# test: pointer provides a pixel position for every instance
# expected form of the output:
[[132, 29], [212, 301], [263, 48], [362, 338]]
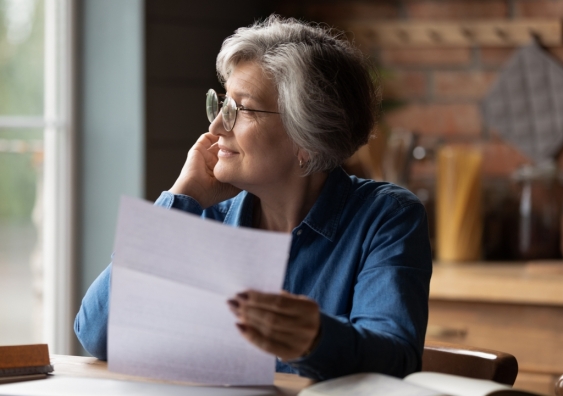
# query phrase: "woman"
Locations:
[[299, 102]]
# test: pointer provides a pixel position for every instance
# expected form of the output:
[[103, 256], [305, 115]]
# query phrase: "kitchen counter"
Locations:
[[511, 307]]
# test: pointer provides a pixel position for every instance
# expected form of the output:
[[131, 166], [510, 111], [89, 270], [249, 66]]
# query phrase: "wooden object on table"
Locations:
[[78, 366], [467, 361], [24, 362], [513, 307]]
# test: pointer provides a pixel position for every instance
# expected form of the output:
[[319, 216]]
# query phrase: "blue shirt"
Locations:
[[362, 253]]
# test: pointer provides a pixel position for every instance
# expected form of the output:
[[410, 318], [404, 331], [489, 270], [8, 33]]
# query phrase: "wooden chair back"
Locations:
[[559, 386], [469, 362]]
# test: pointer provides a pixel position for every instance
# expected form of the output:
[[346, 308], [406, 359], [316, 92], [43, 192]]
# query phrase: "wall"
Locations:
[[111, 130]]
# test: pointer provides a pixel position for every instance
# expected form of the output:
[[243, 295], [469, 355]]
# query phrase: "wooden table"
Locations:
[[285, 384], [510, 307]]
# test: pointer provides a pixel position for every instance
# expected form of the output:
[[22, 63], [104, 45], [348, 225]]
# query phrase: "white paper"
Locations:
[[172, 275], [61, 385]]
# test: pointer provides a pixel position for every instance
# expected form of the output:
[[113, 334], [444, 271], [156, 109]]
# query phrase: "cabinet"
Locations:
[[514, 308]]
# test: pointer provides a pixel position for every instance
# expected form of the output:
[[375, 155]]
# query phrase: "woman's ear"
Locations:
[[303, 156]]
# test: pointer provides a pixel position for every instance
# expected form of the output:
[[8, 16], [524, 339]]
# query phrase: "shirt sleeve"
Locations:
[[385, 329], [91, 322]]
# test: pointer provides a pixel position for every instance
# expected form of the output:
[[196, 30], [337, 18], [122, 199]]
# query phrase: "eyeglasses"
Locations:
[[229, 109]]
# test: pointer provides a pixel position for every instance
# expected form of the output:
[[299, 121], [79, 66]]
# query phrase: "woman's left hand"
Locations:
[[286, 325]]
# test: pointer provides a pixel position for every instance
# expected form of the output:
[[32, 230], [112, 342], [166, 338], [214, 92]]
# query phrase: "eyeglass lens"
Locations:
[[229, 113], [211, 105], [228, 109]]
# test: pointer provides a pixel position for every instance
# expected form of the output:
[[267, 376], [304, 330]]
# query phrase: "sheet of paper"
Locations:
[[172, 275], [61, 385]]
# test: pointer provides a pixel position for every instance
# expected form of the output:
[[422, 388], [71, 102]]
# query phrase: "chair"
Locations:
[[469, 362], [559, 386]]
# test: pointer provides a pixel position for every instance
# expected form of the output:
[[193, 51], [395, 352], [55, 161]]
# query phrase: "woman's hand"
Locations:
[[286, 325], [197, 179]]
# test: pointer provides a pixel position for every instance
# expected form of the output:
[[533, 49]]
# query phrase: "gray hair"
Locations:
[[327, 98]]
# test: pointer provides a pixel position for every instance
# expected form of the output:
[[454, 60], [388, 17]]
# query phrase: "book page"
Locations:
[[172, 275], [367, 384], [455, 385]]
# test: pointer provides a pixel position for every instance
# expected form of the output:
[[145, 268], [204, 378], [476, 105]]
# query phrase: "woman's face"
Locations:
[[257, 151]]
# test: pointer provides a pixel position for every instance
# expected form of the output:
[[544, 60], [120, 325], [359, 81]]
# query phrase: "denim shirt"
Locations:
[[362, 253]]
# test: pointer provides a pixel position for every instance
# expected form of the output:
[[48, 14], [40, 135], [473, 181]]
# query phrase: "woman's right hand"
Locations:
[[197, 179]]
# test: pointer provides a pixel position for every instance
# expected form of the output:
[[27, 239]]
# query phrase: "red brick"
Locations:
[[425, 56], [451, 120], [462, 85], [404, 85], [501, 158], [496, 56], [557, 53], [457, 10], [339, 13], [539, 8]]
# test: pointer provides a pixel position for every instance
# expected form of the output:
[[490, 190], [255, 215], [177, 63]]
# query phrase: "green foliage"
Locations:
[[17, 186], [21, 94], [21, 62]]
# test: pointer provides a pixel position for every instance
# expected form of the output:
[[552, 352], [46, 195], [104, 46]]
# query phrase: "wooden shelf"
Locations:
[[498, 33]]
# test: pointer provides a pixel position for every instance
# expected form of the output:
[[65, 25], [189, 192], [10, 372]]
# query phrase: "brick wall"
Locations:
[[441, 88]]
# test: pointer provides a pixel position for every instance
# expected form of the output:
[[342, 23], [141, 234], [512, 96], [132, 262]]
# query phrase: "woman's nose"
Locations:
[[216, 127]]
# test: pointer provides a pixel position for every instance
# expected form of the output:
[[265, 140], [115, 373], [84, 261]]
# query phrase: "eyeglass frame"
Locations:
[[220, 105]]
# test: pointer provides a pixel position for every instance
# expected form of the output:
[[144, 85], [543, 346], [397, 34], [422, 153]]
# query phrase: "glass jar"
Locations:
[[459, 221], [538, 231]]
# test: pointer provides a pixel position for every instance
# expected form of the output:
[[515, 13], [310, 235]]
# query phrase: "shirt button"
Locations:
[[299, 232]]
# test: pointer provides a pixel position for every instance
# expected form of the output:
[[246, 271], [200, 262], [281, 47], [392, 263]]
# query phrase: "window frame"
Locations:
[[59, 178]]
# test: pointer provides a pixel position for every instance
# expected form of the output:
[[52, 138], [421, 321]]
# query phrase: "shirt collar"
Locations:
[[323, 217], [240, 211], [325, 214]]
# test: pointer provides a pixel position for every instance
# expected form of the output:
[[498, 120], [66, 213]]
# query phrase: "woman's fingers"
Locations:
[[197, 178], [284, 322], [284, 350], [288, 304], [207, 147], [269, 322]]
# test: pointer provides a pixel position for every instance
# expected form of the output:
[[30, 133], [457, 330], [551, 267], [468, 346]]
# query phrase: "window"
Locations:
[[36, 181]]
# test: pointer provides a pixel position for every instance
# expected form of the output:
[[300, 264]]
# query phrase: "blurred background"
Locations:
[[100, 98]]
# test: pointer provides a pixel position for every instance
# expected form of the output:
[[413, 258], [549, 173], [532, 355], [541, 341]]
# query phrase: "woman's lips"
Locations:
[[225, 152]]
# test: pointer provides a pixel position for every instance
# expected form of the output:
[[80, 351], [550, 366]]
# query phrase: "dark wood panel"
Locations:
[[162, 168], [207, 12], [181, 52], [175, 113]]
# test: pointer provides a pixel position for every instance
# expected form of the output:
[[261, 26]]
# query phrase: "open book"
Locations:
[[417, 384]]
